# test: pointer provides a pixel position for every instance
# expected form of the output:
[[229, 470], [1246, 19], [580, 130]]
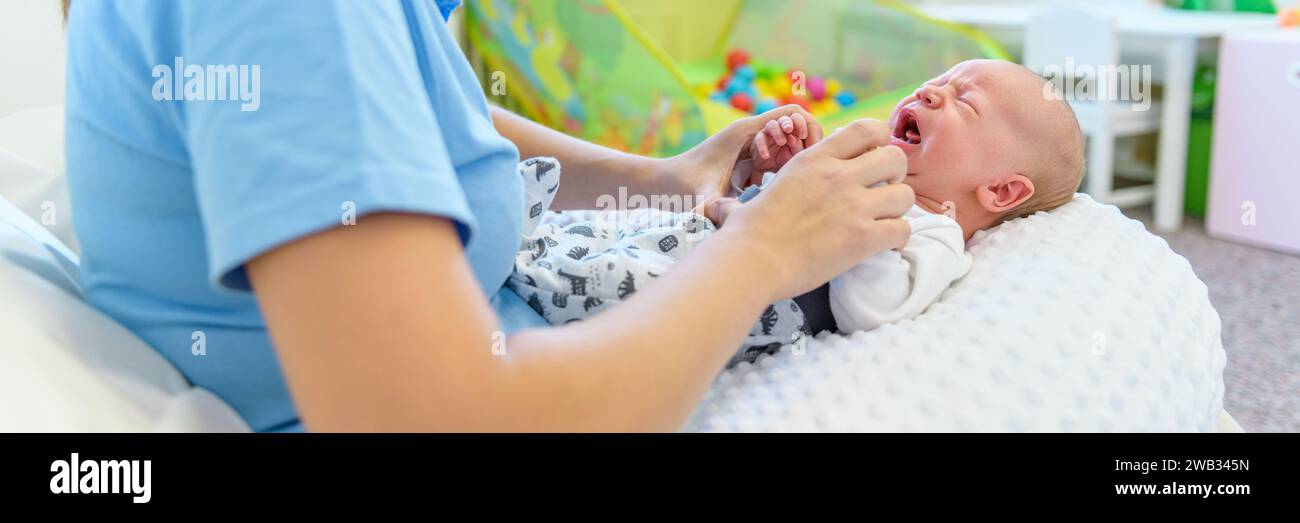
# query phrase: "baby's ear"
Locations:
[[1005, 193]]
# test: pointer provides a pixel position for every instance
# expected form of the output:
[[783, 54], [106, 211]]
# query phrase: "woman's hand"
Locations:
[[818, 218], [706, 170]]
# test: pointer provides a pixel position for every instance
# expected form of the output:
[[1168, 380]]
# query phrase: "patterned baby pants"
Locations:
[[573, 264]]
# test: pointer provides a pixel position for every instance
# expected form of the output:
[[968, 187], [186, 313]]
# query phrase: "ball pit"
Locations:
[[753, 86]]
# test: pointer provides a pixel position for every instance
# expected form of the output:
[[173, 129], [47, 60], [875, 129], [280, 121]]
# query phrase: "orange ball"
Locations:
[[799, 101], [1289, 17]]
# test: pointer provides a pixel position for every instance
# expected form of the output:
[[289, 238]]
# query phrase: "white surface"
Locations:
[[31, 169], [1145, 20], [32, 49], [1077, 320], [1176, 34], [66, 367], [1087, 37]]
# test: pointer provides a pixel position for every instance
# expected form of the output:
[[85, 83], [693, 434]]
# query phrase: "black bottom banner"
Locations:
[[139, 472]]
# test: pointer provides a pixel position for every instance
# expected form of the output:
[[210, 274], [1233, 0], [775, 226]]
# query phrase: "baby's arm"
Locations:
[[899, 284]]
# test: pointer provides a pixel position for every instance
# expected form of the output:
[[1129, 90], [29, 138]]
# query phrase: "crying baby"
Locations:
[[985, 143]]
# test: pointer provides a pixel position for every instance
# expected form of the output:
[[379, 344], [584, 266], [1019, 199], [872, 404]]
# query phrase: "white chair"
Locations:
[[1057, 38]]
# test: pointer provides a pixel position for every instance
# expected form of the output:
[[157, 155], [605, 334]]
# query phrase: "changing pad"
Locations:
[[1073, 320]]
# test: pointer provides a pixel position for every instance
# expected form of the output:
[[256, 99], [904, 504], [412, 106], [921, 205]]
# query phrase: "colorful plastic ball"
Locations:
[[723, 81], [720, 97], [799, 101], [833, 86], [781, 87], [736, 58], [845, 98], [816, 88], [1289, 17], [737, 85], [767, 71], [742, 102], [746, 72], [764, 105]]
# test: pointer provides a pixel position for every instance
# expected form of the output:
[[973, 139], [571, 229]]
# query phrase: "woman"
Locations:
[[347, 241]]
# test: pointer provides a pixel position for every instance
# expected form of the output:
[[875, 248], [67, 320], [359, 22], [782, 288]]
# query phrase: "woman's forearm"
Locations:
[[590, 170], [405, 340], [644, 364]]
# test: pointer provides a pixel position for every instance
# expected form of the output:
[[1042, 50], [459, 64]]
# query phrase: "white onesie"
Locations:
[[900, 284]]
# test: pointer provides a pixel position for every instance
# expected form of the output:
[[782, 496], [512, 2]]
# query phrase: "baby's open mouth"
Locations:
[[907, 129]]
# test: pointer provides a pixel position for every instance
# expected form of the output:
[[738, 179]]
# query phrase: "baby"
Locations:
[[984, 143]]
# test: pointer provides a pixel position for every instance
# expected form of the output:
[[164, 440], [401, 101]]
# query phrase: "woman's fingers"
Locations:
[[814, 133], [773, 131], [717, 209], [882, 164], [800, 126], [889, 201], [887, 234], [761, 147], [787, 124], [856, 138], [795, 144]]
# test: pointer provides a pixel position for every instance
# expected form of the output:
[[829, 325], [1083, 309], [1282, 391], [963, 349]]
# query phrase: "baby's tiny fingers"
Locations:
[[760, 145], [773, 130], [795, 144], [800, 126], [787, 124]]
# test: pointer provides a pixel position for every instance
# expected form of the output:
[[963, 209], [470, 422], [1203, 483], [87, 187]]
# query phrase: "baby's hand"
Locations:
[[780, 140]]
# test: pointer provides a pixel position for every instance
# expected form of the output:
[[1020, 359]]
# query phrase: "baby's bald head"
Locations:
[[1055, 158]]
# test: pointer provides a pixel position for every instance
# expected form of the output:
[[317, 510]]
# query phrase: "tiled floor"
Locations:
[[1257, 294]]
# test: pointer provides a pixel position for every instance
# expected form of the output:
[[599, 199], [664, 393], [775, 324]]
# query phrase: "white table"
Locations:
[[1175, 35]]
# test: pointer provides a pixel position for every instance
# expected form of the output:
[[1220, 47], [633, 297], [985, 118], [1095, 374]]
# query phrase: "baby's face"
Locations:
[[959, 129]]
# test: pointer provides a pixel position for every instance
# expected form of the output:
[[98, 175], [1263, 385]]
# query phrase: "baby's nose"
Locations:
[[930, 96]]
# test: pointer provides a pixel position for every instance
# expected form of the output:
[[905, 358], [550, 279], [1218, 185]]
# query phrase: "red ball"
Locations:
[[723, 81], [742, 102], [799, 101], [736, 58]]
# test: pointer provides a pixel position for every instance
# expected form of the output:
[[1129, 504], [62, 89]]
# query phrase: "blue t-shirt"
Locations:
[[202, 134]]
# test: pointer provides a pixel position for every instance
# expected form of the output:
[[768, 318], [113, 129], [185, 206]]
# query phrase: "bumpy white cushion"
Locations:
[[1074, 320]]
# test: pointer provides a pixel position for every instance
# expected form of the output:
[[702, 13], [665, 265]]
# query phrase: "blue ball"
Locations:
[[720, 97], [737, 85], [764, 105], [746, 72], [845, 98]]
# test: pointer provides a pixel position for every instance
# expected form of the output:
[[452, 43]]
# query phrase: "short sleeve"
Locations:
[[333, 121]]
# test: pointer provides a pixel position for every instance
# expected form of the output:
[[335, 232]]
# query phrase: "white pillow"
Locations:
[[1077, 320], [64, 366]]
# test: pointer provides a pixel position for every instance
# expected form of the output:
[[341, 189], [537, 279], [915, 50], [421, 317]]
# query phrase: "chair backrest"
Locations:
[[1063, 39]]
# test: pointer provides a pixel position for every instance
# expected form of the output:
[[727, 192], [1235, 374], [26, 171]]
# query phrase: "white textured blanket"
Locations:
[[1074, 320]]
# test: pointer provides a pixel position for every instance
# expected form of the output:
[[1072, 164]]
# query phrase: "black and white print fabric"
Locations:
[[573, 264]]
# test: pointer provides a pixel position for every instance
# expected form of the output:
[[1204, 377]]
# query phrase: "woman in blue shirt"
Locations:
[[340, 231]]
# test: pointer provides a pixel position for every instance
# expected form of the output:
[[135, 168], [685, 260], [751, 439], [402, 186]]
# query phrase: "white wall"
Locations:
[[32, 53]]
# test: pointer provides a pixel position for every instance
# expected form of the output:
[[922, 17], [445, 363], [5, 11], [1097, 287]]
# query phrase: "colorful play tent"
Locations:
[[652, 76]]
